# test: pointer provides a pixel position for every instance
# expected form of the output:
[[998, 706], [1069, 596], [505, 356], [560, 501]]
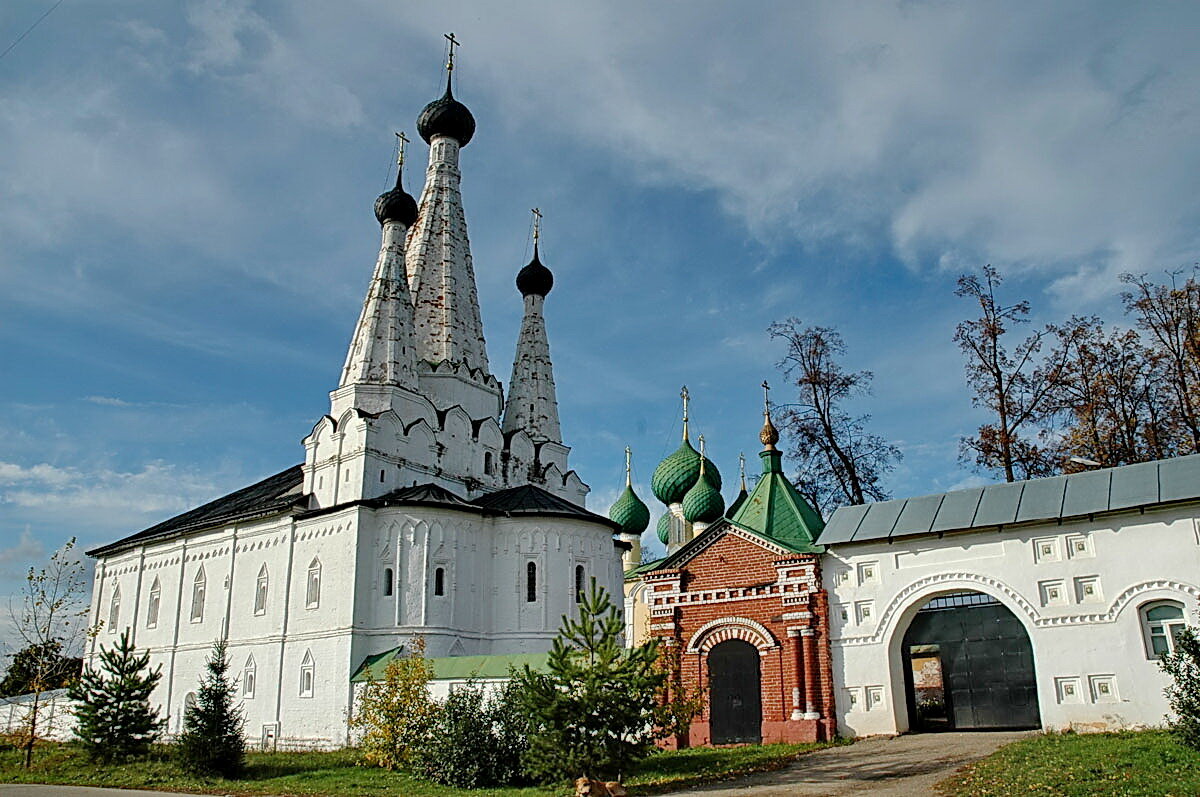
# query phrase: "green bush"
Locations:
[[476, 740], [1183, 694]]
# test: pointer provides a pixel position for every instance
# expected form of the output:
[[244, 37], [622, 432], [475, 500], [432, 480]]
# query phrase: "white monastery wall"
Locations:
[[1077, 588]]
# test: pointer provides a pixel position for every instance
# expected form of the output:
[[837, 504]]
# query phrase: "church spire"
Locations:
[[441, 276], [381, 351], [532, 404]]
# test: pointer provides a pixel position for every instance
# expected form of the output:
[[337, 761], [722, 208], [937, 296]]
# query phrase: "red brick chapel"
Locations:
[[743, 602]]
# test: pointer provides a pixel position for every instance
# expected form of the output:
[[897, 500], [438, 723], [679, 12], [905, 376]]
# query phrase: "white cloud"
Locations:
[[27, 548]]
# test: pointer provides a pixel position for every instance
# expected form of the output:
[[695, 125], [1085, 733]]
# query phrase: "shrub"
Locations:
[[1183, 694], [395, 713], [213, 740], [510, 733], [477, 739]]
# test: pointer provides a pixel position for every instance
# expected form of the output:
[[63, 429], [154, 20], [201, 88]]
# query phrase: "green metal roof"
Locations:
[[703, 503], [630, 512], [776, 511], [676, 474], [454, 667], [1056, 498], [644, 567]]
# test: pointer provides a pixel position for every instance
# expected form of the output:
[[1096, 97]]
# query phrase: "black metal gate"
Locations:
[[735, 697], [968, 663]]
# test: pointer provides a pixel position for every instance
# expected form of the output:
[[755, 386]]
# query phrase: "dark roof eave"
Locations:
[[205, 525]]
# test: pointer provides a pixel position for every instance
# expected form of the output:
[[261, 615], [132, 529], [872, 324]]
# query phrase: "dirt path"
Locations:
[[900, 766]]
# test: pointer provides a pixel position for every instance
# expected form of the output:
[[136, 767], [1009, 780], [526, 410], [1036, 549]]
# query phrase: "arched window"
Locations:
[[531, 582], [308, 675], [249, 673], [439, 581], [198, 585], [488, 466], [114, 610], [189, 702], [152, 606], [389, 578], [260, 590], [578, 583], [312, 593], [1161, 623]]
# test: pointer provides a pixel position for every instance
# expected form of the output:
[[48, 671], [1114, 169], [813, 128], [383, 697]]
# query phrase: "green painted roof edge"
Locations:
[[456, 667], [644, 567]]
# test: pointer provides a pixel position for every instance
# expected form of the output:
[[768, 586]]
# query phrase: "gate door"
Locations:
[[735, 698], [968, 663]]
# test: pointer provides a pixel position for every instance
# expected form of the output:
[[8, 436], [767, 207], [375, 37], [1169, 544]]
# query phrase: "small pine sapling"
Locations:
[[114, 719], [1183, 693], [213, 740]]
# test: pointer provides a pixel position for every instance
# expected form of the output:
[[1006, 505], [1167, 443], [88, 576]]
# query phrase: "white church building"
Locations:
[[427, 503]]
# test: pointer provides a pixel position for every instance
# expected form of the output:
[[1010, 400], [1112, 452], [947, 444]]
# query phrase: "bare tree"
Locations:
[[1016, 385], [50, 617], [840, 462], [1111, 397], [1170, 316]]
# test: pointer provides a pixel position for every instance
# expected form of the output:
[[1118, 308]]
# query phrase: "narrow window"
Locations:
[[312, 594], [382, 477], [578, 583], [531, 582], [152, 607], [388, 579], [439, 581], [114, 610], [307, 675], [260, 591], [487, 463], [1162, 623], [248, 677], [198, 586]]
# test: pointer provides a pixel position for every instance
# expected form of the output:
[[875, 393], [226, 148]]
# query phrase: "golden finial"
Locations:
[[683, 394], [537, 225], [769, 434], [401, 141], [628, 467]]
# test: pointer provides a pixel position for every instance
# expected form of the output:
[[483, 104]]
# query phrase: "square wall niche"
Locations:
[[1069, 689], [1047, 549], [1103, 688], [854, 699], [1053, 592], [1087, 589], [1079, 546]]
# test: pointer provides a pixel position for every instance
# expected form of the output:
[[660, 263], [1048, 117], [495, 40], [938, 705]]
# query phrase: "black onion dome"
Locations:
[[535, 279], [396, 205], [446, 116]]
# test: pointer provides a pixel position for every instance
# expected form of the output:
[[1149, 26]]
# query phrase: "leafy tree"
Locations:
[[50, 619], [510, 732], [1183, 694], [395, 713], [44, 664], [1170, 317], [115, 721], [213, 739], [678, 704], [594, 712], [840, 462], [1015, 385]]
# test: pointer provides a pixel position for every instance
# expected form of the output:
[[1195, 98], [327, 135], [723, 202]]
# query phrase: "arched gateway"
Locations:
[[968, 664], [735, 692]]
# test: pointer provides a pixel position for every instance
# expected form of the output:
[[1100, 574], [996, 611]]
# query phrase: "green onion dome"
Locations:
[[677, 474], [703, 503], [664, 527], [630, 512]]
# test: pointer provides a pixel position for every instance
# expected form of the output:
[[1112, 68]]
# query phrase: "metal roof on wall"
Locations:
[[1056, 498]]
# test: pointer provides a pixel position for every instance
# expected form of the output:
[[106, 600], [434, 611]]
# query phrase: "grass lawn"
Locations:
[[338, 774], [1125, 763]]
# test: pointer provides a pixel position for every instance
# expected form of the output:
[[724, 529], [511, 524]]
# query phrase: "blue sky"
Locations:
[[186, 229]]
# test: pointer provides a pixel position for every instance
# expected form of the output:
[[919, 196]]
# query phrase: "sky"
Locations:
[[186, 226]]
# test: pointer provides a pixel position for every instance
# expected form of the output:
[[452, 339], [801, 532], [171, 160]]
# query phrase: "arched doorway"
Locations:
[[735, 693], [968, 664]]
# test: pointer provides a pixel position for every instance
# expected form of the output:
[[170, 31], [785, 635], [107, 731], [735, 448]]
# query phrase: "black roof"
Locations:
[[271, 495], [282, 493]]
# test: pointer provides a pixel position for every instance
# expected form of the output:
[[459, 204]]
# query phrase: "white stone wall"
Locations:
[[1079, 637]]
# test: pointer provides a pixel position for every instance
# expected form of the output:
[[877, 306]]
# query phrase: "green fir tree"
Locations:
[[114, 720], [213, 740], [594, 712]]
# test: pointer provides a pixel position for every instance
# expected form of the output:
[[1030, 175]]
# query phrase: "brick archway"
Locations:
[[716, 631]]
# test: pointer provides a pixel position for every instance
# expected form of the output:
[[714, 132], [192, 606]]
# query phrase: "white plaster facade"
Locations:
[[1078, 588]]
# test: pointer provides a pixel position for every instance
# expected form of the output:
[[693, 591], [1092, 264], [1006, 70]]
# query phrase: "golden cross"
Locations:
[[453, 43], [628, 466], [766, 396], [537, 224]]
